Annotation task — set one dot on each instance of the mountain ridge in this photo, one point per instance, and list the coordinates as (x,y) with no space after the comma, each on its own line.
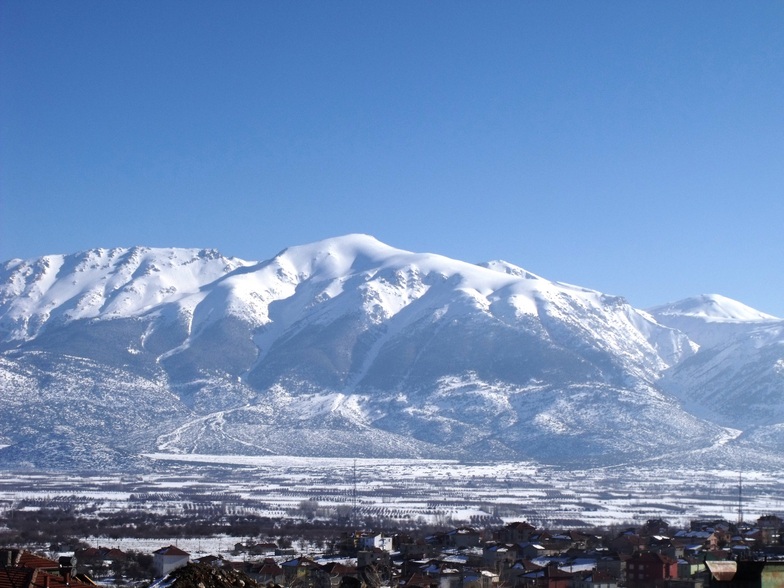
(348,346)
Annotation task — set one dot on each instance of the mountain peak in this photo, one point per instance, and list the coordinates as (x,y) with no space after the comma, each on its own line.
(712,308)
(336,256)
(349,245)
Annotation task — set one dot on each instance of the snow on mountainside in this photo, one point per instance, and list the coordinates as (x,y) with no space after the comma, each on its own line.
(345,346)
(737,378)
(102,284)
(712,308)
(710,318)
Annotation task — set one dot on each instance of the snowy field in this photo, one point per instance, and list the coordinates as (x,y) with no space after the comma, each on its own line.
(410,491)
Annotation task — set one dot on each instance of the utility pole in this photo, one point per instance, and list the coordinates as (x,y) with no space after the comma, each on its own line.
(354,516)
(740,497)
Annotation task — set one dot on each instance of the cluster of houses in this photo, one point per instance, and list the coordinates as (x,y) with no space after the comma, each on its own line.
(710,554)
(21,569)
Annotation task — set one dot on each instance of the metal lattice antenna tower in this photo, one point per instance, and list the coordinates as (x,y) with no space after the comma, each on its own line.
(354,517)
(740,497)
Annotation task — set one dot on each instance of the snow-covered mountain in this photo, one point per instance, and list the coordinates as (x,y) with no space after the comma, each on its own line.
(737,378)
(711,319)
(351,347)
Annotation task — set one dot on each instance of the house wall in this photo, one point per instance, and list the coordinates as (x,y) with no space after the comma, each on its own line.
(449,581)
(376,541)
(166,563)
(645,570)
(772,576)
(464,539)
(579,583)
(687,570)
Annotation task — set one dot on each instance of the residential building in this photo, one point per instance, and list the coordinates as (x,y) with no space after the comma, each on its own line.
(168,559)
(646,569)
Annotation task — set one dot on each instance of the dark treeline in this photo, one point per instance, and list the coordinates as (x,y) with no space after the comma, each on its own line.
(64,527)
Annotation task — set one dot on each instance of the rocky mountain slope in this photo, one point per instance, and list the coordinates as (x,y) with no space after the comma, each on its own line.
(351,347)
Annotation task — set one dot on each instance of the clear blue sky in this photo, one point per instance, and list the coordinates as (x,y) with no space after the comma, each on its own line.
(632,147)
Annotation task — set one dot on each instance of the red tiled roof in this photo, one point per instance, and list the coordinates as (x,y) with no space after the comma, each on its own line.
(44,580)
(339,569)
(16,577)
(29,560)
(552,571)
(88,552)
(520,525)
(25,577)
(171,550)
(100,552)
(116,553)
(269,568)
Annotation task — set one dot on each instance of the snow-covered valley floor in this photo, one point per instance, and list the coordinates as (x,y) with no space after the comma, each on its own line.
(411,491)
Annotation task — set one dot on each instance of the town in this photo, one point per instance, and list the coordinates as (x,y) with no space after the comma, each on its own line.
(708,553)
(345,523)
